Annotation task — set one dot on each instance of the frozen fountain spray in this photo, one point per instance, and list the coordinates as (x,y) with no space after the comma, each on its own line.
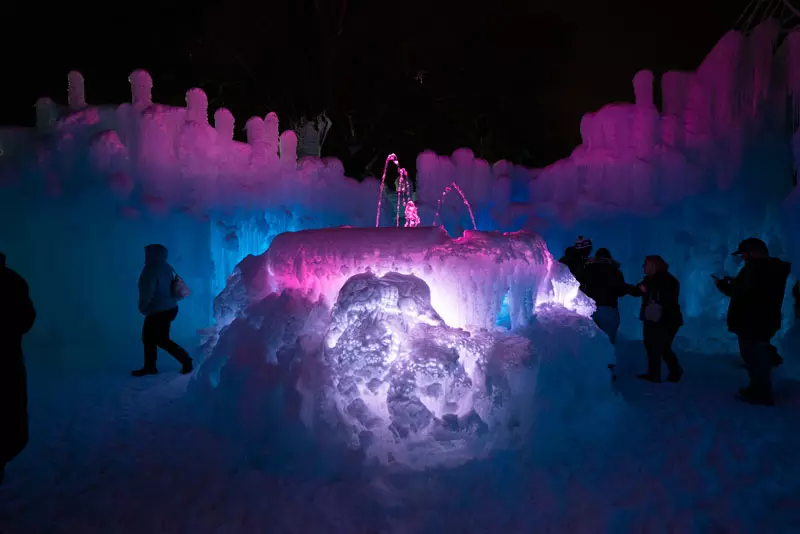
(458,190)
(404,197)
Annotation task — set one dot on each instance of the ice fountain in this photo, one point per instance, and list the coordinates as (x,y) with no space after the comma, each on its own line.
(409,208)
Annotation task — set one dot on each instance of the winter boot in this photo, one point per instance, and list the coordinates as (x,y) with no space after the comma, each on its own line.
(144,371)
(649,378)
(748,396)
(675,376)
(187,367)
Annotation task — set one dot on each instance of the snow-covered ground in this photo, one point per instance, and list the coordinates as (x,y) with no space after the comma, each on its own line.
(112,454)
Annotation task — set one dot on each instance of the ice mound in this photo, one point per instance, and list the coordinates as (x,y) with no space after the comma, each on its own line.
(378,369)
(400,377)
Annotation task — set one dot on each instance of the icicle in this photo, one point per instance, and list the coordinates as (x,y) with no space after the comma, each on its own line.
(762,44)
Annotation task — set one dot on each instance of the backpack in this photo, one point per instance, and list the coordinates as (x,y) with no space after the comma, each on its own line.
(178,288)
(653,311)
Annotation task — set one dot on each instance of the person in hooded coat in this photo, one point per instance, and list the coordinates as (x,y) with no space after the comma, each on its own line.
(160,307)
(17,316)
(604,283)
(754,315)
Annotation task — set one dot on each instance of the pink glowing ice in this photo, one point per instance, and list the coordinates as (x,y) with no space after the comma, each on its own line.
(464,198)
(412,217)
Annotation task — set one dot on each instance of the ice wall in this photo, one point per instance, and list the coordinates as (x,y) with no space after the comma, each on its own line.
(688,181)
(90,185)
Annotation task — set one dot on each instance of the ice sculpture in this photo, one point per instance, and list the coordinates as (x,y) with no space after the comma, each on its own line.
(349,319)
(469,277)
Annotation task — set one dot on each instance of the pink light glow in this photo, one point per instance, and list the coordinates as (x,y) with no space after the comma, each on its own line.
(464,198)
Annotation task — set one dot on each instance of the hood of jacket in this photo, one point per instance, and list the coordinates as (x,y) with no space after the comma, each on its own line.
(155,254)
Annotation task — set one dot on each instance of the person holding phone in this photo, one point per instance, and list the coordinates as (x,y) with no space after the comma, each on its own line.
(754,315)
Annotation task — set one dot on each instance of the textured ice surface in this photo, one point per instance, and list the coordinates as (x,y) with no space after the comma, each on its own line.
(469,277)
(364,355)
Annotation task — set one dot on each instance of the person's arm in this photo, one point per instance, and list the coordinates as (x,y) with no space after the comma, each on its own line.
(147,289)
(725,285)
(26,313)
(672,294)
(625,289)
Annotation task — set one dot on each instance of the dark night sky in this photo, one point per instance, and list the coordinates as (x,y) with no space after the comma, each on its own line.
(507,78)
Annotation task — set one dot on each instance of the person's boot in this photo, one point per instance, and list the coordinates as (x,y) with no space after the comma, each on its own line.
(675,376)
(187,367)
(749,396)
(653,373)
(144,371)
(649,378)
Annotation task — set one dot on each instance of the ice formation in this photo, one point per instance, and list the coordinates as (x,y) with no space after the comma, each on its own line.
(390,337)
(470,278)
(714,164)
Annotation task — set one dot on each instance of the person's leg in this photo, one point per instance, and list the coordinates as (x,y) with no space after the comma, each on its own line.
(758,358)
(653,344)
(670,358)
(172,348)
(607,319)
(776,358)
(150,329)
(13,414)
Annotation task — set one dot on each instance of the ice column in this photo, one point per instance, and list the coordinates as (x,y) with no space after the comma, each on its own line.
(223,123)
(645,122)
(46,114)
(141,89)
(255,138)
(197,106)
(289,149)
(76,98)
(271,136)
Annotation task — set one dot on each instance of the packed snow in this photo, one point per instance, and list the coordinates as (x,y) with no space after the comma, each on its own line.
(405,378)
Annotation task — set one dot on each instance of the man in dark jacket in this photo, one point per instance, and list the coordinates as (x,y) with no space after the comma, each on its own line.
(160,308)
(576,255)
(754,314)
(17,316)
(604,283)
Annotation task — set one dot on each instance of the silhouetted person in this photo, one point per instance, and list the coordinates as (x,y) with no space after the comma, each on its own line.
(754,314)
(661,318)
(604,283)
(17,316)
(576,255)
(160,307)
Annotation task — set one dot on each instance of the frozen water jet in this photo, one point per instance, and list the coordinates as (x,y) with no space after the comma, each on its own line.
(403,189)
(463,198)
